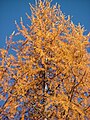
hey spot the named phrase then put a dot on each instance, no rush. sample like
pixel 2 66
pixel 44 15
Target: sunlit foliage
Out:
pixel 48 76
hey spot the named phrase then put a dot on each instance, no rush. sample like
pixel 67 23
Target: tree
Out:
pixel 48 77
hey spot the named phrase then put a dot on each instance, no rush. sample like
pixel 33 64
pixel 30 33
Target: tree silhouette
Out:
pixel 48 78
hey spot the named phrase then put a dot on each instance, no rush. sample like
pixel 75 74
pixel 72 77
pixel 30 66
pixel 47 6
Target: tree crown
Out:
pixel 49 76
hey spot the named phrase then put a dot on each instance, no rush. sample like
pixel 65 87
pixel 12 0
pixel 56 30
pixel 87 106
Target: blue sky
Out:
pixel 11 10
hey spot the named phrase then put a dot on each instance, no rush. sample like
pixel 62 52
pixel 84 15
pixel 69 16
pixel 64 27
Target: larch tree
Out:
pixel 48 76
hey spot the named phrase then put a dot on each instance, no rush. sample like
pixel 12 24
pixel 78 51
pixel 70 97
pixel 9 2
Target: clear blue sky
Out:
pixel 11 10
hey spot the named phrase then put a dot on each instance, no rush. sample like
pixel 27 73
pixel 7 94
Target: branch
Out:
pixel 80 80
pixel 75 86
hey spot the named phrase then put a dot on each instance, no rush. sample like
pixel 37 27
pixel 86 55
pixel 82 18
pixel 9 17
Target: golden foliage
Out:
pixel 49 76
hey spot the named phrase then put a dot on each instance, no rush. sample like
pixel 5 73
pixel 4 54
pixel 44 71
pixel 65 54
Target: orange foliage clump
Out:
pixel 48 77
